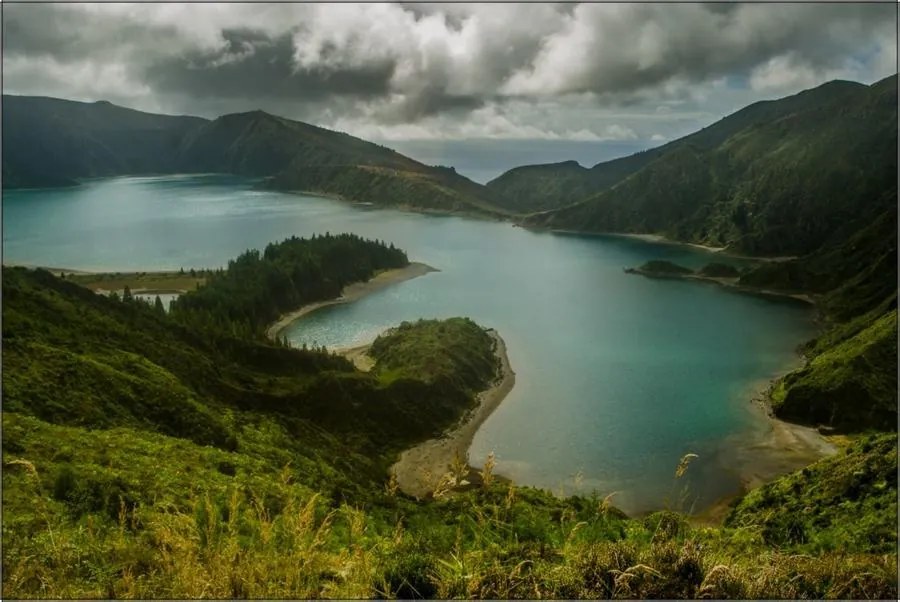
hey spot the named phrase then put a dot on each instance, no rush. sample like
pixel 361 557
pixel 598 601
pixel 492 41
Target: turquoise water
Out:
pixel 617 376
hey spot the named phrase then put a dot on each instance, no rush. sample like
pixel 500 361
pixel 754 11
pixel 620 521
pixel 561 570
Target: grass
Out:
pixel 156 281
pixel 97 514
pixel 851 385
pixel 719 270
pixel 661 266
pixel 849 501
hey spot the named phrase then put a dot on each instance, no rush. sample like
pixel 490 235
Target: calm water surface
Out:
pixel 617 376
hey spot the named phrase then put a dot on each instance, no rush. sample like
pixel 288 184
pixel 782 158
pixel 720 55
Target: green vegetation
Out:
pixel 59 142
pixel 534 188
pixel 719 270
pixel 256 288
pixel 430 190
pixel 846 501
pixel 555 186
pixel 851 386
pixel 460 354
pixel 777 178
pixel 259 144
pixel 168 281
pixel 663 267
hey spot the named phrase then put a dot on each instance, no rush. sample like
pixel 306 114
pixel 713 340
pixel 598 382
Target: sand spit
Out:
pixel 420 468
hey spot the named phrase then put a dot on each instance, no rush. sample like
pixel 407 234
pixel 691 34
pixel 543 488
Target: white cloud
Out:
pixel 592 72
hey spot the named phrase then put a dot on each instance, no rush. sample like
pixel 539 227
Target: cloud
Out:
pixel 593 72
pixel 619 50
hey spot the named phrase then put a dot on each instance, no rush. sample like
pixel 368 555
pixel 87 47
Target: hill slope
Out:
pixel 260 144
pixel 553 186
pixel 53 142
pixel 779 178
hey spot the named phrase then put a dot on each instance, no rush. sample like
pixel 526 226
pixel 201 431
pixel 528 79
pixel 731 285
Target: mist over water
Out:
pixel 617 376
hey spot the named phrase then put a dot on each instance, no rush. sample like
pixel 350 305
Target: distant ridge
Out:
pixel 556 185
pixel 778 177
pixel 54 142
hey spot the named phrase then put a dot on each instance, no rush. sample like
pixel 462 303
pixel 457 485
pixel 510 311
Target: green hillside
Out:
pixel 431 190
pixel 160 455
pixel 849 381
pixel 260 144
pixel 53 142
pixel 782 178
pixel 842 501
pixel 533 188
pixel 537 188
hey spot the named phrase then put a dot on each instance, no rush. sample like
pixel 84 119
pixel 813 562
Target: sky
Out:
pixel 483 87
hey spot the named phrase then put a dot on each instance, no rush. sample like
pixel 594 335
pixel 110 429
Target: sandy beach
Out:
pixel 721 250
pixel 420 468
pixel 760 455
pixel 359 355
pixel 353 292
pixel 658 238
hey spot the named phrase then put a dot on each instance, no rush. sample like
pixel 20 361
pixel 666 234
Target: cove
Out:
pixel 617 376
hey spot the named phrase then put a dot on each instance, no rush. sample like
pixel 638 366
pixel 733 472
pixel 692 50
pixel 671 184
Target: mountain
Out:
pixel 777 178
pixel 552 186
pixel 302 157
pixel 52 142
pixel 260 144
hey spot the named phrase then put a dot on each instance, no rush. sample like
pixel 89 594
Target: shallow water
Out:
pixel 617 376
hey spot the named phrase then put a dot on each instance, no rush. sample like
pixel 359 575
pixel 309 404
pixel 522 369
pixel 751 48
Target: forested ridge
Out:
pixel 256 288
pixel 55 142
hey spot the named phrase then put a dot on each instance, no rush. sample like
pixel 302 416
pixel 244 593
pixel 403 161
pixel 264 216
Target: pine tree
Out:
pixel 158 306
pixel 126 294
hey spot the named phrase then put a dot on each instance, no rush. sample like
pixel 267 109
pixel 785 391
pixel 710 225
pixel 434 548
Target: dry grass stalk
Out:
pixel 686 460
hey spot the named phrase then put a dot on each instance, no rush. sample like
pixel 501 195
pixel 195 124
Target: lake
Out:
pixel 617 375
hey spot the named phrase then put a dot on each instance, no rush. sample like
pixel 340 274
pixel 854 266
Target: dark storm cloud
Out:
pixel 67 33
pixel 251 63
pixel 530 69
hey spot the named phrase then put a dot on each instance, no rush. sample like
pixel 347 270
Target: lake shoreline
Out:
pixel 772 449
pixel 660 239
pixel 727 283
pixel 420 468
pixel 469 214
pixel 353 292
